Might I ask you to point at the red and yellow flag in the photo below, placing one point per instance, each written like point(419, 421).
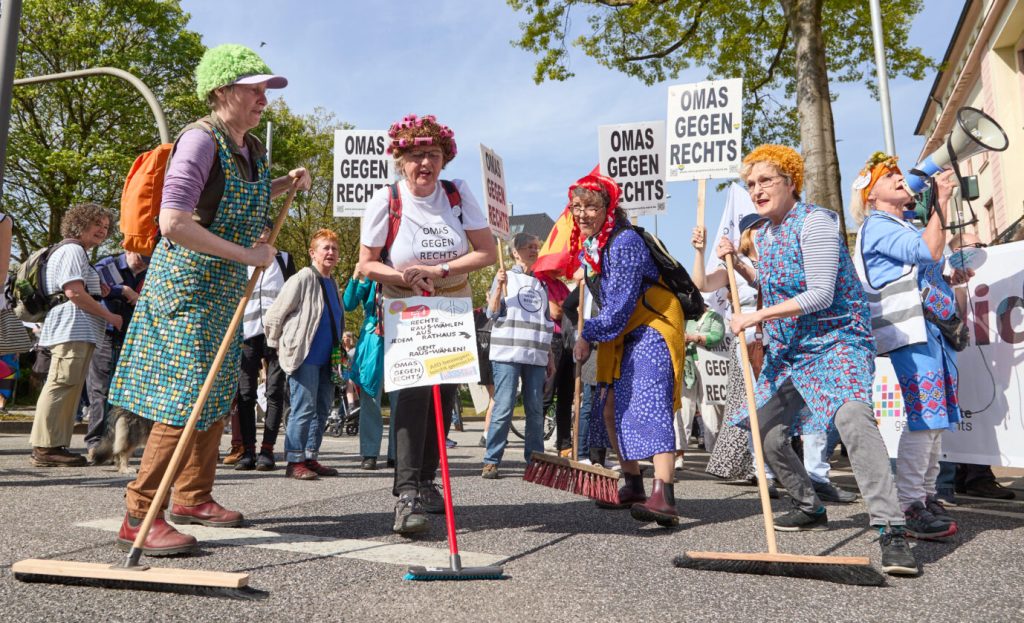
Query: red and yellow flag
point(554, 256)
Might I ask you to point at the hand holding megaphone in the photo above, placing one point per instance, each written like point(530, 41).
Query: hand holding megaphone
point(973, 133)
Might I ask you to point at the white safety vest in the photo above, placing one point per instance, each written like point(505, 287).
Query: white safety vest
point(523, 334)
point(267, 288)
point(897, 318)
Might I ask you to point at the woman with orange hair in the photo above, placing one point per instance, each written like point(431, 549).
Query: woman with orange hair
point(305, 324)
point(819, 351)
point(640, 344)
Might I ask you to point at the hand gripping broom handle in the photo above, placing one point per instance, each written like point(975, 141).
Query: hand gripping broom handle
point(755, 429)
point(577, 397)
point(157, 505)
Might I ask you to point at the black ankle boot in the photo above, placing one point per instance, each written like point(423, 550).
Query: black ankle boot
point(630, 493)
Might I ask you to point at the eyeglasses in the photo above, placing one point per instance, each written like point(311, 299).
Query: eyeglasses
point(973, 245)
point(590, 210)
point(764, 182)
point(433, 154)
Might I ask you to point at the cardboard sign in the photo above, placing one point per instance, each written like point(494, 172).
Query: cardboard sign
point(704, 130)
point(361, 166)
point(713, 366)
point(633, 154)
point(493, 171)
point(991, 383)
point(429, 340)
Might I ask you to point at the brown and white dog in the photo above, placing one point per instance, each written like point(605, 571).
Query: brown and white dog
point(124, 433)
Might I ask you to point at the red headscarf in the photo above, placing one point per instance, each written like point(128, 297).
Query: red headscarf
point(595, 182)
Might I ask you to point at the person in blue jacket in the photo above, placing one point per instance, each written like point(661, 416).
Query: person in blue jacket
point(367, 367)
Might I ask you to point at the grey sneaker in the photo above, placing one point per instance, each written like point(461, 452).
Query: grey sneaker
point(430, 499)
point(936, 507)
point(830, 493)
point(408, 517)
point(797, 520)
point(897, 559)
point(922, 524)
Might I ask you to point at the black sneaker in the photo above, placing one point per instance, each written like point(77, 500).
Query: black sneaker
point(829, 493)
point(430, 499)
point(922, 524)
point(247, 463)
point(897, 559)
point(936, 507)
point(408, 517)
point(797, 520)
point(989, 489)
point(265, 461)
point(369, 464)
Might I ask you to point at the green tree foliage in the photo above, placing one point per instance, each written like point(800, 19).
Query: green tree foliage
point(74, 140)
point(785, 50)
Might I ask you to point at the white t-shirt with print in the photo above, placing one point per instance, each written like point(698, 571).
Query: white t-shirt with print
point(430, 232)
point(67, 322)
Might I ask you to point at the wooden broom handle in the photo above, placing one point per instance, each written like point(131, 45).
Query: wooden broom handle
point(577, 396)
point(157, 505)
point(755, 429)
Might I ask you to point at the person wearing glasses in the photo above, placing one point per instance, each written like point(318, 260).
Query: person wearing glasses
point(638, 334)
point(819, 360)
point(442, 236)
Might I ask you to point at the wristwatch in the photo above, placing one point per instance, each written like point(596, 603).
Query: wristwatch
point(445, 269)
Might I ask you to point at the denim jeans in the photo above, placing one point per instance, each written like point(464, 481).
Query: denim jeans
point(506, 376)
point(311, 395)
point(586, 403)
point(371, 424)
point(814, 457)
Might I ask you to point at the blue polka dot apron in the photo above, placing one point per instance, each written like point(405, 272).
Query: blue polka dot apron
point(829, 355)
point(185, 309)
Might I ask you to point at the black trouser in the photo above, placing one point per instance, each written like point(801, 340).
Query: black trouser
point(968, 474)
point(416, 451)
point(254, 351)
point(561, 389)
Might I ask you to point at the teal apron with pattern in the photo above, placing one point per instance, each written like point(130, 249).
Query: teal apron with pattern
point(185, 309)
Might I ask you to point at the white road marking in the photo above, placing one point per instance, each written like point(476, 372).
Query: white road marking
point(372, 551)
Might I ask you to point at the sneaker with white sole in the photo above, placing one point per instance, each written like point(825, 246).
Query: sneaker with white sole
point(922, 524)
point(798, 520)
point(897, 558)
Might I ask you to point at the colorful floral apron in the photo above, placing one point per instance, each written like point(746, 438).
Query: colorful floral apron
point(185, 309)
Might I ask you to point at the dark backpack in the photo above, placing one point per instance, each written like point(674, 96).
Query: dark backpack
point(674, 276)
point(31, 302)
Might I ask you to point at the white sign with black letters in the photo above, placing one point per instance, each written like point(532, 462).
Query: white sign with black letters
point(493, 170)
point(361, 166)
point(704, 130)
point(429, 340)
point(633, 154)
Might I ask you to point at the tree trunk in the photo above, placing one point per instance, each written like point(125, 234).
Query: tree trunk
point(822, 183)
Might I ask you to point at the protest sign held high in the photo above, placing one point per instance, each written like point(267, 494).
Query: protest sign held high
point(493, 171)
point(429, 340)
point(361, 166)
point(633, 154)
point(703, 132)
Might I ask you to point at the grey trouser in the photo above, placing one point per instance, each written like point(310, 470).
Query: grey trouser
point(868, 457)
point(97, 386)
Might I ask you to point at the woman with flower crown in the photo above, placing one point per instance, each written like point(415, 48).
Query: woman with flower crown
point(442, 236)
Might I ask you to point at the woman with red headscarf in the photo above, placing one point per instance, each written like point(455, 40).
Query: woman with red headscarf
point(640, 347)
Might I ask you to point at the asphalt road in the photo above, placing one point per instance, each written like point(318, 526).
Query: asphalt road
point(324, 551)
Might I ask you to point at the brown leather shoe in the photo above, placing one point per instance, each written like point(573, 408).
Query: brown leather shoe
point(632, 492)
point(162, 540)
point(660, 507)
point(235, 455)
point(320, 470)
point(209, 514)
point(57, 457)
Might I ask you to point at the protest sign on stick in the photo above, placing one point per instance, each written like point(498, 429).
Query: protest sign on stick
point(361, 166)
point(493, 172)
point(633, 154)
point(429, 340)
point(704, 130)
point(713, 364)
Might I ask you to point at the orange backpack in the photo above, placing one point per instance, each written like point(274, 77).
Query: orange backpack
point(140, 200)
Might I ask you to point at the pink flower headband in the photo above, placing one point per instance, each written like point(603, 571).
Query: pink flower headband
point(412, 121)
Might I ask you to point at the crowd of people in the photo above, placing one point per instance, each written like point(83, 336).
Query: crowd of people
point(139, 333)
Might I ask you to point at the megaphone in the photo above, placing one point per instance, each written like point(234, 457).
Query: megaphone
point(974, 133)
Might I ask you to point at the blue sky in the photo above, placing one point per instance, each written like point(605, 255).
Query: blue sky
point(373, 62)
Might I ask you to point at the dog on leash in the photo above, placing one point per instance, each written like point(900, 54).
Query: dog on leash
point(124, 433)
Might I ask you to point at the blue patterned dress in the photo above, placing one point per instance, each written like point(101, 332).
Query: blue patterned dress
point(829, 355)
point(185, 310)
point(644, 393)
point(927, 372)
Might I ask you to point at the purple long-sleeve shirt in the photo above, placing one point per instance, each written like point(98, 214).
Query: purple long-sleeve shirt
point(189, 170)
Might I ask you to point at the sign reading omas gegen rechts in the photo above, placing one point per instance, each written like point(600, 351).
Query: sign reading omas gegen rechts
point(633, 154)
point(493, 170)
point(704, 130)
point(361, 166)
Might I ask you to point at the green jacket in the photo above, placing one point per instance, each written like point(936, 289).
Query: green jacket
point(712, 327)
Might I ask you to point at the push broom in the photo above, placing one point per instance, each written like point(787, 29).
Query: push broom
point(131, 574)
point(838, 569)
point(558, 472)
point(455, 570)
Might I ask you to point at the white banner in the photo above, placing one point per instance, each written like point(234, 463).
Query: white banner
point(429, 340)
point(633, 154)
point(713, 365)
point(737, 205)
point(991, 368)
point(493, 171)
point(361, 166)
point(704, 130)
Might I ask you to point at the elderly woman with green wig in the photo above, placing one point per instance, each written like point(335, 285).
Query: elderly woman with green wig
point(216, 199)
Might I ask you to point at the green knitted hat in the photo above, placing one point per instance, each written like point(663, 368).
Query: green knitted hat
point(231, 63)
